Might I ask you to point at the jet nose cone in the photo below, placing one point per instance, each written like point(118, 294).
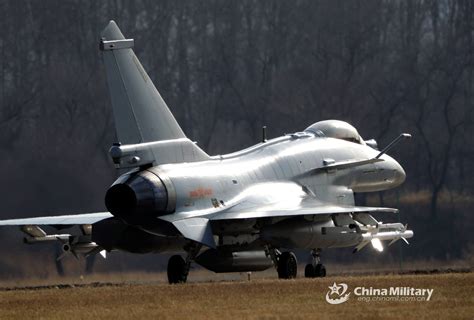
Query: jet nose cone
point(399, 174)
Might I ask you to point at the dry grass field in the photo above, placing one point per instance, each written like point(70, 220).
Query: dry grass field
point(453, 297)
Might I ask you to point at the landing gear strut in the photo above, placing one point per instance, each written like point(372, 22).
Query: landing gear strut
point(178, 268)
point(315, 269)
point(285, 263)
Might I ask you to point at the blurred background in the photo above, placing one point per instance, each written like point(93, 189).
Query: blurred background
point(226, 68)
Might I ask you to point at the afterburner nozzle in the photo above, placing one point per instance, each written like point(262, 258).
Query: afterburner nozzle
point(138, 194)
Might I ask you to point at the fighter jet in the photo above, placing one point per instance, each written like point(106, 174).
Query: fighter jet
point(243, 211)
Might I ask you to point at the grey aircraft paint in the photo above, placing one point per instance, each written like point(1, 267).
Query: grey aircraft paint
point(235, 212)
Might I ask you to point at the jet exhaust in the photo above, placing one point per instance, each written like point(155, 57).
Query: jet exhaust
point(138, 194)
point(120, 199)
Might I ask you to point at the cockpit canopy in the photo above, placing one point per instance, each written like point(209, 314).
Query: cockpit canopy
point(336, 129)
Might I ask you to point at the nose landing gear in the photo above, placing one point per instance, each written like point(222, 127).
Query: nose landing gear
point(315, 269)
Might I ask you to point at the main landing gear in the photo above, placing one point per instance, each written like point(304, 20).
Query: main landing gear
point(315, 269)
point(285, 263)
point(178, 268)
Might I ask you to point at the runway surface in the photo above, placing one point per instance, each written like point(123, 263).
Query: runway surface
point(452, 297)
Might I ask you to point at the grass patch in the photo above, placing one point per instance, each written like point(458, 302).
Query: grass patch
point(258, 299)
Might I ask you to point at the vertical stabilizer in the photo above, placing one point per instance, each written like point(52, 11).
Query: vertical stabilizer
point(144, 124)
point(141, 114)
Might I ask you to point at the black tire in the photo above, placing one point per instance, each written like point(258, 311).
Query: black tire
point(320, 271)
point(287, 266)
point(177, 270)
point(309, 271)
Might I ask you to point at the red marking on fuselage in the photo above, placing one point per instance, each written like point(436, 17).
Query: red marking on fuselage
point(201, 193)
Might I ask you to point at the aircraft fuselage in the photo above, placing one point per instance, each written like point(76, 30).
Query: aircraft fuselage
point(218, 184)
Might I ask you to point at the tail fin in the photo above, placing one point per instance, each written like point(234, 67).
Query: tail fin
point(140, 113)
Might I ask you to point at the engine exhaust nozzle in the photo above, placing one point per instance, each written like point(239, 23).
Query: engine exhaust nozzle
point(137, 194)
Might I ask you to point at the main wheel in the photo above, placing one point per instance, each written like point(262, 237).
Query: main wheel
point(287, 266)
point(177, 270)
point(320, 270)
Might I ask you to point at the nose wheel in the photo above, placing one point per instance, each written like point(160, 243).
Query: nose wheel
point(315, 269)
